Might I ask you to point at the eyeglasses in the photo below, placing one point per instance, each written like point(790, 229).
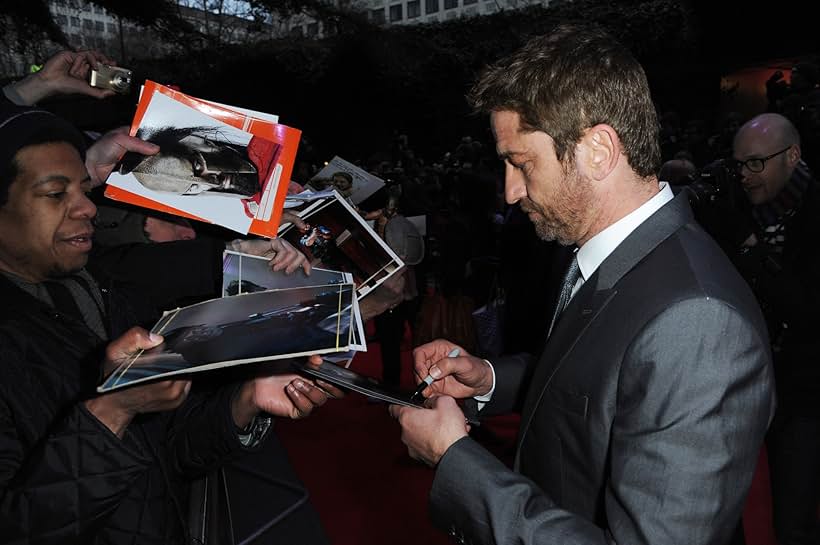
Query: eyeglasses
point(757, 164)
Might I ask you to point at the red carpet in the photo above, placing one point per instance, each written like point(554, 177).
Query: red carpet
point(368, 491)
point(365, 487)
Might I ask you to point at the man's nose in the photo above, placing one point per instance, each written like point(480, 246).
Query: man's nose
point(745, 174)
point(84, 208)
point(514, 187)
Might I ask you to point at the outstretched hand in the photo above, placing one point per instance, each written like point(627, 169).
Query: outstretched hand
point(116, 409)
point(68, 71)
point(282, 255)
point(287, 396)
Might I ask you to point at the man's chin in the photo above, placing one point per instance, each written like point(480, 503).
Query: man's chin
point(551, 234)
point(62, 270)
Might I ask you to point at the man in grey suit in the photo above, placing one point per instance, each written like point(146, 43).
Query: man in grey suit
point(643, 417)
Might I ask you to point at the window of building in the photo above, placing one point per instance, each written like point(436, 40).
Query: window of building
point(467, 2)
point(75, 21)
point(88, 24)
point(62, 20)
point(396, 13)
point(431, 6)
point(99, 26)
point(312, 30)
point(450, 4)
point(112, 28)
point(413, 9)
point(377, 16)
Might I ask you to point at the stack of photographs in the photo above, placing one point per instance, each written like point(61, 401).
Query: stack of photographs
point(264, 316)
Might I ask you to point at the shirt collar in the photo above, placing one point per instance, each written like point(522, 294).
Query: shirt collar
point(598, 248)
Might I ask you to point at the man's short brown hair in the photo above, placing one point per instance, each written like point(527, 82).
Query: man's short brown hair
point(571, 79)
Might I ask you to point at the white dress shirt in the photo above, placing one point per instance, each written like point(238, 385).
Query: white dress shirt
point(597, 249)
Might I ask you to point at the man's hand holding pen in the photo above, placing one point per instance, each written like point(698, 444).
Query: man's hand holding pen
point(445, 373)
point(460, 376)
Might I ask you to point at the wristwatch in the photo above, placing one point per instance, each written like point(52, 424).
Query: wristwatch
point(255, 432)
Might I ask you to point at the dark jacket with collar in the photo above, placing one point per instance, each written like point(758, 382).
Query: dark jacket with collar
point(644, 416)
point(785, 282)
point(64, 477)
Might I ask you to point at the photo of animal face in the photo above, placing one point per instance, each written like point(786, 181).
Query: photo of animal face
point(194, 161)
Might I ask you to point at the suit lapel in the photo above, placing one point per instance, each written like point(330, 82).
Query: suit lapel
point(593, 297)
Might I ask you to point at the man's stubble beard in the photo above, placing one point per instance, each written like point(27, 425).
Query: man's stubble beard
point(565, 215)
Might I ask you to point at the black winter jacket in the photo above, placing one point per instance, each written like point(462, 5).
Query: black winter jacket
point(64, 476)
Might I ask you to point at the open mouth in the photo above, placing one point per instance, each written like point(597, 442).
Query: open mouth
point(82, 241)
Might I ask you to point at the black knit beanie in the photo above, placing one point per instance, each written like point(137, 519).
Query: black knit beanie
point(23, 126)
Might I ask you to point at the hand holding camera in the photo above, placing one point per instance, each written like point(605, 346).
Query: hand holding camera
point(70, 72)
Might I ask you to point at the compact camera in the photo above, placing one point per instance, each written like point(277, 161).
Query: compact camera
point(111, 77)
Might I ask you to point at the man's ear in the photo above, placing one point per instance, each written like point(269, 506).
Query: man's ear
point(602, 149)
point(794, 155)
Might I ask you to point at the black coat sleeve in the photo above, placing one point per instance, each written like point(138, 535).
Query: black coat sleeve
point(62, 489)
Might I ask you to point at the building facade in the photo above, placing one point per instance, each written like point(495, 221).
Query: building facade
point(404, 12)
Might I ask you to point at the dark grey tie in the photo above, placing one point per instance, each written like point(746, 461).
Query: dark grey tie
point(569, 281)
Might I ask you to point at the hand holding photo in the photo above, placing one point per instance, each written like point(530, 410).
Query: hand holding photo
point(248, 328)
point(216, 163)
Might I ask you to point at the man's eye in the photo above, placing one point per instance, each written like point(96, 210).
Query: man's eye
point(56, 195)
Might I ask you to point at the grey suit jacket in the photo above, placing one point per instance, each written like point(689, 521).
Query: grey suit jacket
point(644, 416)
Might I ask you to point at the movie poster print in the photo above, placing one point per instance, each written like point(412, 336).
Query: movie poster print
point(204, 167)
point(219, 164)
point(266, 325)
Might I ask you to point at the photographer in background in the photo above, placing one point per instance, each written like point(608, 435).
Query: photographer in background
point(771, 235)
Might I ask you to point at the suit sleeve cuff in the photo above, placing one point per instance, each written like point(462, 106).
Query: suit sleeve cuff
point(486, 398)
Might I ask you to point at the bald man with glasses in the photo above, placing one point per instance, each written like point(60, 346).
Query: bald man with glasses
point(781, 262)
point(767, 152)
